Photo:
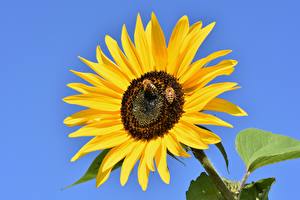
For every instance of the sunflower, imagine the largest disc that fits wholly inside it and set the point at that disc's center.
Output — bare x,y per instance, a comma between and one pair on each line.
148,101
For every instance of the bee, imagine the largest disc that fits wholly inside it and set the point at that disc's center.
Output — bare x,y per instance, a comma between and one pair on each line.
170,94
149,87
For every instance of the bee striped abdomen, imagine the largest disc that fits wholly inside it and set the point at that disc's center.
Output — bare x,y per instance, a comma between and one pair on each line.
170,94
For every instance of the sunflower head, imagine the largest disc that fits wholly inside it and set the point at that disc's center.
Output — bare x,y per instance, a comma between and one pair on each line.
150,98
149,107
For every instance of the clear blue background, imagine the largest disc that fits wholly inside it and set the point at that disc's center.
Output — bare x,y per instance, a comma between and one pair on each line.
40,42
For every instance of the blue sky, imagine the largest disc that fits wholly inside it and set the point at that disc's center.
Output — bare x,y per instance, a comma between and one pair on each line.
40,42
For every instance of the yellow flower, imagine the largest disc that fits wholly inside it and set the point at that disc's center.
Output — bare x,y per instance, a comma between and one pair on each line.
147,102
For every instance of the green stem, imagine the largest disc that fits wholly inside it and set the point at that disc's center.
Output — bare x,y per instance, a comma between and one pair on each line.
243,182
201,156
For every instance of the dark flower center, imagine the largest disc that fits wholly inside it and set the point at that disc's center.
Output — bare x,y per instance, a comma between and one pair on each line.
152,105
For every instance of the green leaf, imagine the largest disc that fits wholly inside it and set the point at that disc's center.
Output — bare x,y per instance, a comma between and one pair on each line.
203,189
224,154
258,148
258,190
92,171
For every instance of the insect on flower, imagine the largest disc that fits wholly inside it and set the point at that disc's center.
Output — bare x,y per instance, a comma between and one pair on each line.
149,87
170,94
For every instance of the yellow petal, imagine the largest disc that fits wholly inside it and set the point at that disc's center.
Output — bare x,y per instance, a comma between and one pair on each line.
196,66
108,141
161,163
184,47
204,119
222,105
220,71
180,31
191,45
142,45
103,60
173,146
131,52
184,135
81,153
195,26
88,116
98,102
89,77
102,176
148,32
119,57
80,117
117,153
206,136
143,173
205,75
150,152
82,88
110,73
159,48
85,89
130,161
95,144
200,98
98,81
101,127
